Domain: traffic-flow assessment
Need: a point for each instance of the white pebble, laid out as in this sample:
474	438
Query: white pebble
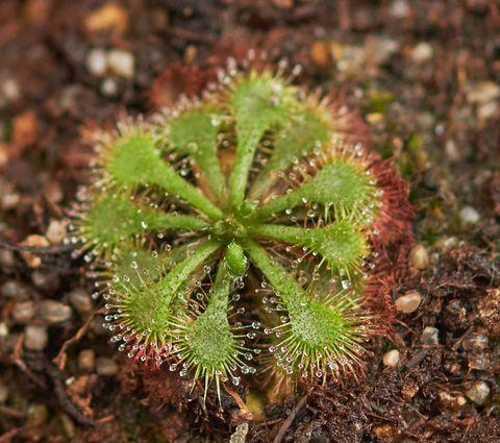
10	89
469	215
478	392
56	232
409	302
430	336
419	257
4	330
121	63
422	52
109	87
35	337
483	92
97	62
391	358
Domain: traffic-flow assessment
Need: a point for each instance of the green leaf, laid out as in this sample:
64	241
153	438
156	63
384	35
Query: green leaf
114	219
135	161
259	103
148	307
195	133
341	185
342	244
306	131
318	335
236	259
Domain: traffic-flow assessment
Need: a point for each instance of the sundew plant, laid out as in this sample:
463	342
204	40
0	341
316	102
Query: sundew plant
238	234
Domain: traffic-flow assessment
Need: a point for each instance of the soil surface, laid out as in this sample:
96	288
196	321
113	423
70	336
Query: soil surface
424	76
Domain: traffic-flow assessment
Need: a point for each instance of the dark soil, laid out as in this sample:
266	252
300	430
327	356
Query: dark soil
424	75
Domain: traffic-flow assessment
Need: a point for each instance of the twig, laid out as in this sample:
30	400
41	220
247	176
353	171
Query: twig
60	359
19	362
289	420
51	250
239	401
9	435
62	396
11	412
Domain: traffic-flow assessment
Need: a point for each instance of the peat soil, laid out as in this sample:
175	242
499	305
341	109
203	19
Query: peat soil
424	76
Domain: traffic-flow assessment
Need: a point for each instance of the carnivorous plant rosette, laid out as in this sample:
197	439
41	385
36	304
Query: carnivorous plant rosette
239	233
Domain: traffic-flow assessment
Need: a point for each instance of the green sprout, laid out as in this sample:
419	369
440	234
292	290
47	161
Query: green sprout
232	235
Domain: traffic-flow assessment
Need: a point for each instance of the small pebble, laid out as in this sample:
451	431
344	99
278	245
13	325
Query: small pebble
34	241
409	302
487	111
478	392
240	434
56	232
37	415
9	200
109	87
483	92
450	401
469	215
10	90
476	342
422	52
14	289
419	257
23	312
7	258
4	330
445	244
452	151
121	63
4	392
321	54
54	312
48	281
400	8
86	360
430	336
81	300
106	366
111	17
391	358
35	337
97	326
97	62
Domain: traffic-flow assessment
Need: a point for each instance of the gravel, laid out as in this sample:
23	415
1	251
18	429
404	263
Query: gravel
106	366
478	392
430	336
54	312
419	257
122	63
469	215
81	300
86	360
36	337
391	358
14	289
23	312
97	62
56	231
409	302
